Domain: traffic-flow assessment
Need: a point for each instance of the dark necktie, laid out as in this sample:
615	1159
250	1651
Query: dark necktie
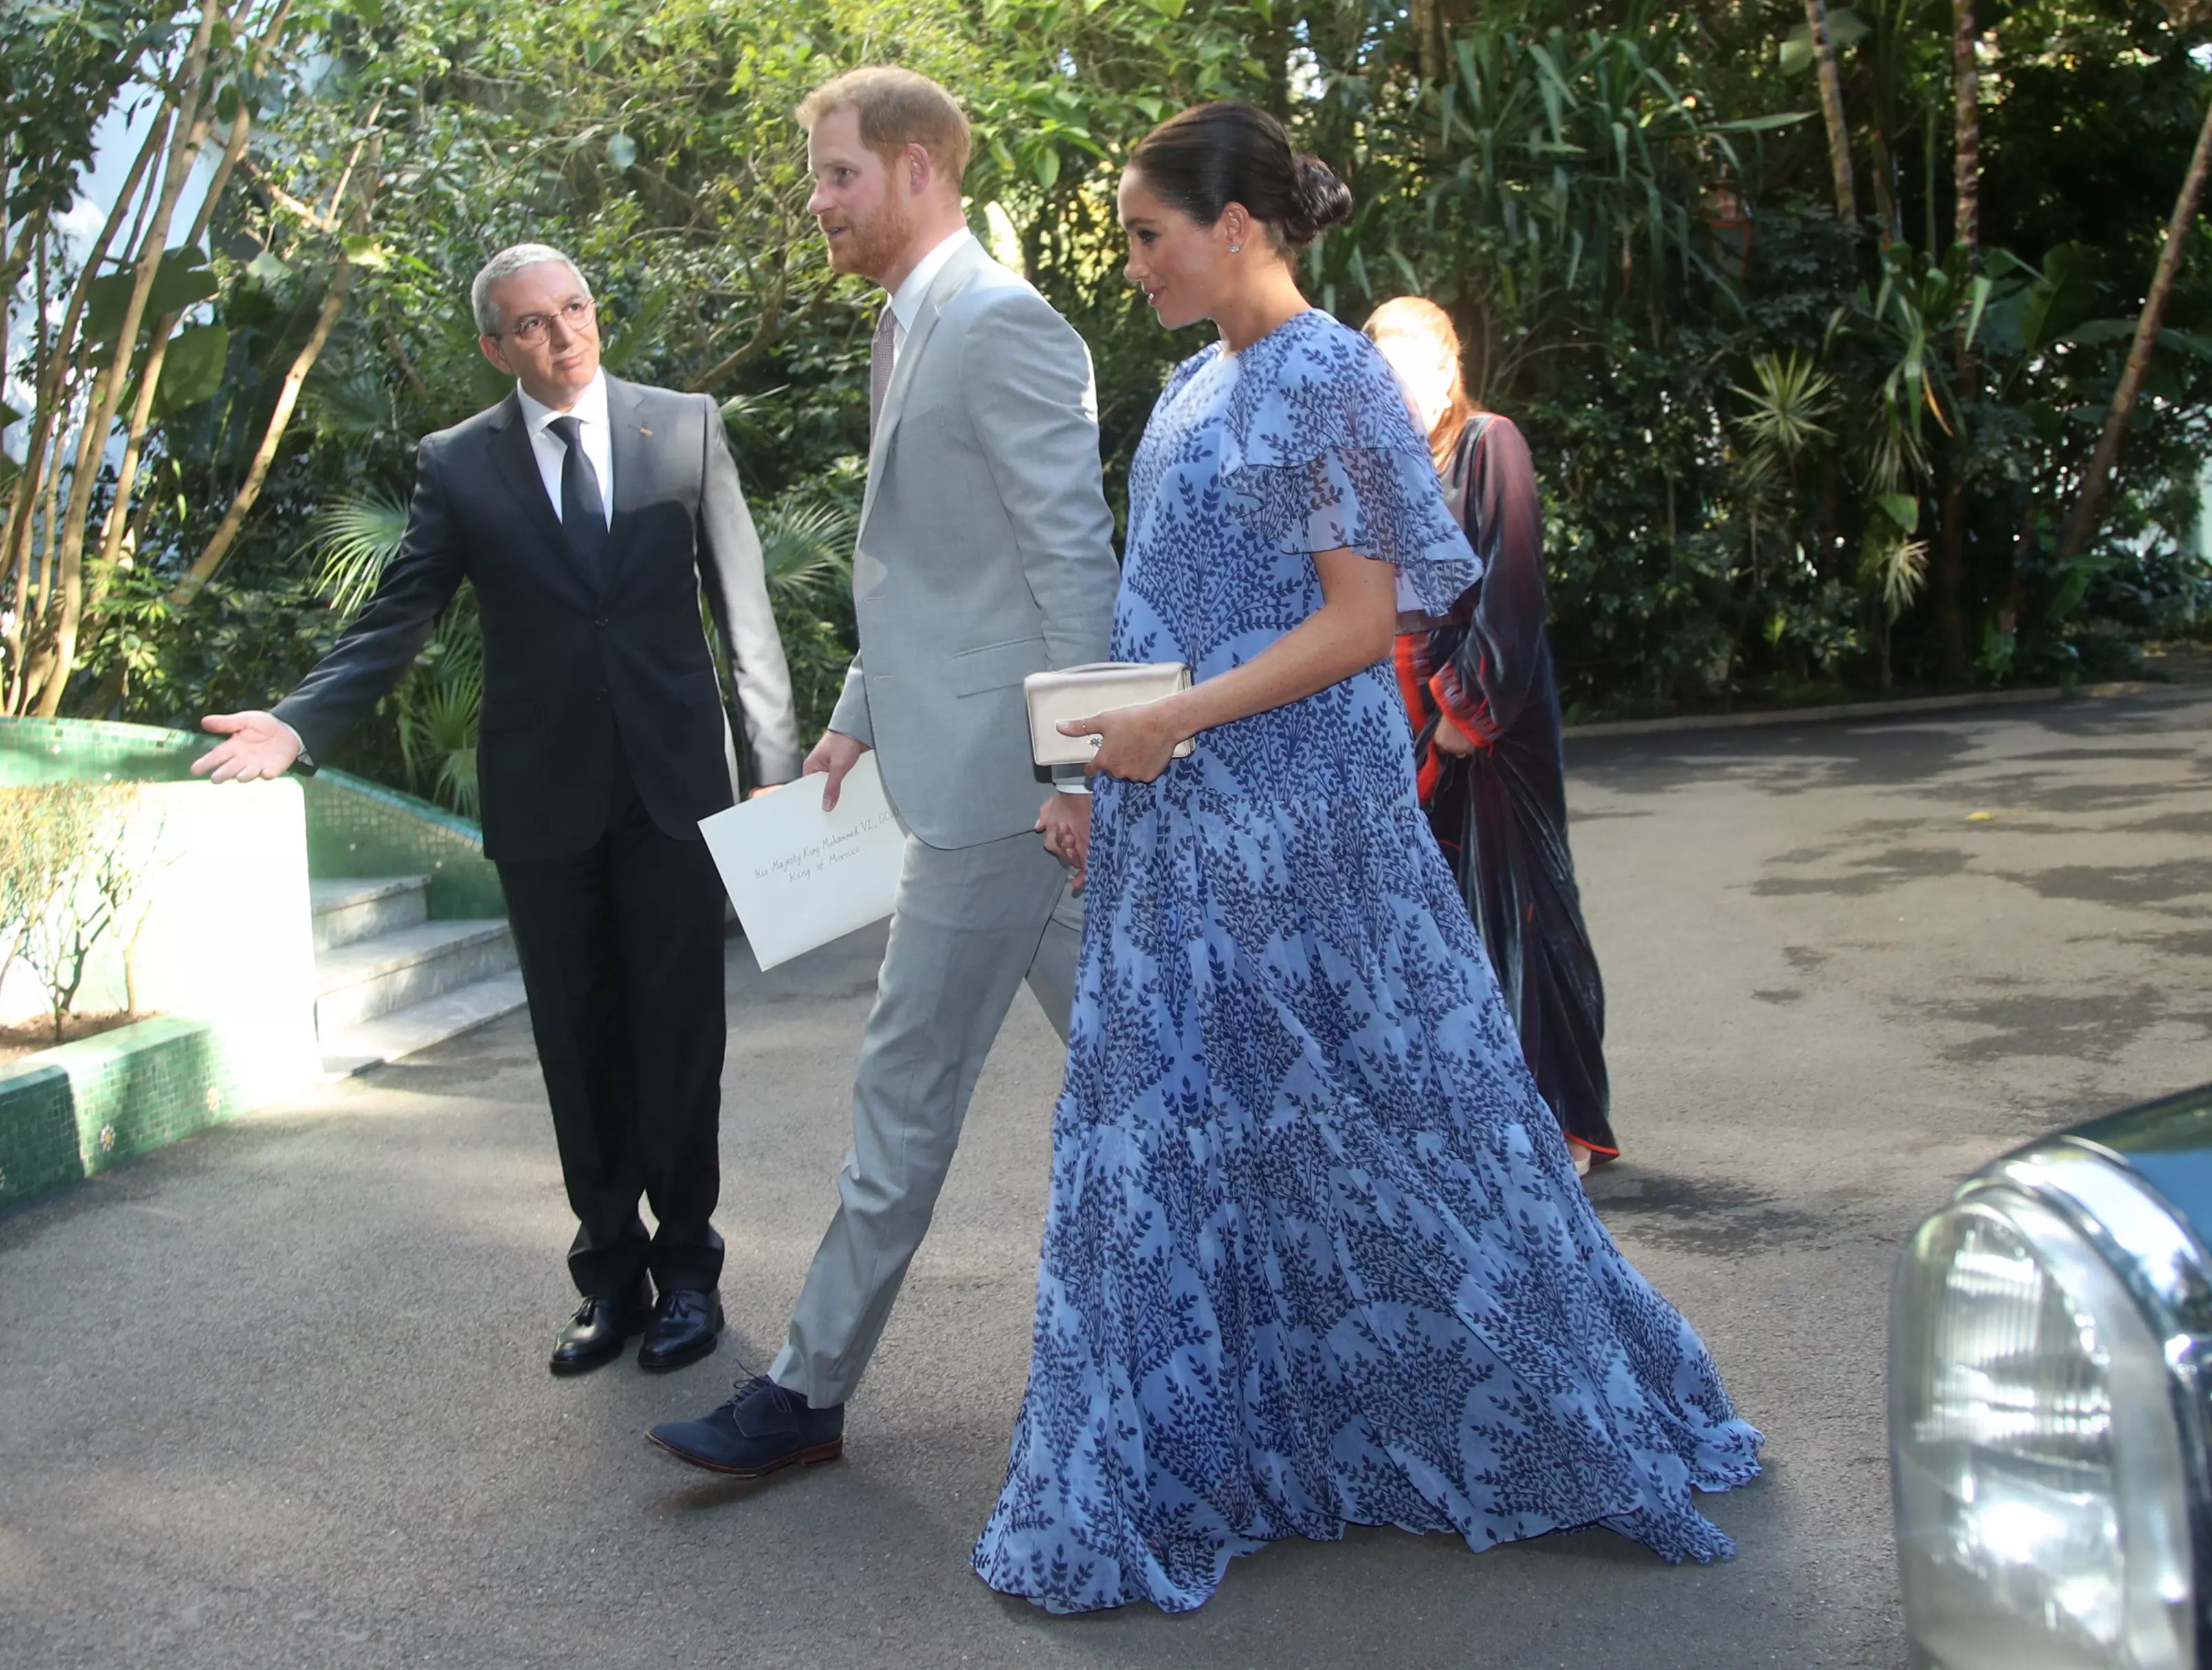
881	352
583	512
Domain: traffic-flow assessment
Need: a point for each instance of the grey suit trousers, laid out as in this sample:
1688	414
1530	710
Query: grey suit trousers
970	925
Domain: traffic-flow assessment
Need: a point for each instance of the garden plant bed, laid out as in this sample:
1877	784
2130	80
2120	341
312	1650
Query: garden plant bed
28	1038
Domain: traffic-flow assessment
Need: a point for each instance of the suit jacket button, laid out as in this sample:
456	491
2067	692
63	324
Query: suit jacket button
600	621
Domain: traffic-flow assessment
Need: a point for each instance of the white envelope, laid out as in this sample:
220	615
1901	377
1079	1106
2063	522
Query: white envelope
800	876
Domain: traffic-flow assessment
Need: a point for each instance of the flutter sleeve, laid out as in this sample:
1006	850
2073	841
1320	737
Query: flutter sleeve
1318	452
1485	684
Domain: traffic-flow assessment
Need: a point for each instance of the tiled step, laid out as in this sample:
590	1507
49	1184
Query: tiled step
401	1032
375	977
363	907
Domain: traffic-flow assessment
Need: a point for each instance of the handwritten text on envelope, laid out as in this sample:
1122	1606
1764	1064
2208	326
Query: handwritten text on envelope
800	876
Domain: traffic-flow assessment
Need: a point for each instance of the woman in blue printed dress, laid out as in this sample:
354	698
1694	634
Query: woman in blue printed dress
1317	1253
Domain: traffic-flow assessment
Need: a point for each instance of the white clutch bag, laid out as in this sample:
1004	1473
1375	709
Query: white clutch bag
1081	693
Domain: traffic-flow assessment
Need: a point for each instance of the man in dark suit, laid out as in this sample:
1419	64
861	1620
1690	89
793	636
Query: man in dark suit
602	741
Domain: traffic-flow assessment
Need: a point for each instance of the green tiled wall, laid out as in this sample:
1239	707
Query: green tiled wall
357	827
70	1112
87	750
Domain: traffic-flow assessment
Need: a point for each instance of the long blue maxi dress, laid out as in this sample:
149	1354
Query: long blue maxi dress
1315	1253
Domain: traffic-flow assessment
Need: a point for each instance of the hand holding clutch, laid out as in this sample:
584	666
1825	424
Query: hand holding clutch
1136	744
1073	693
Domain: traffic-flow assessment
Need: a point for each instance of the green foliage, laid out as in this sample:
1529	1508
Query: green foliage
1755	428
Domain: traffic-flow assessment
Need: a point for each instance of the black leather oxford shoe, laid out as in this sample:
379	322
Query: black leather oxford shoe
683	1330
762	1428
595	1333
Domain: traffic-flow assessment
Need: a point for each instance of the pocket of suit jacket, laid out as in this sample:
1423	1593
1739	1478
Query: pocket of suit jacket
996	666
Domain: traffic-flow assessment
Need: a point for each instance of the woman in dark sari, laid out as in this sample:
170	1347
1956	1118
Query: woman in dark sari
1484	705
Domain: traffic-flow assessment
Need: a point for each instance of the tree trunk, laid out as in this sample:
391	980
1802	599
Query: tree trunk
1433	24
2081	520
1966	233
1966	119
1832	106
1889	210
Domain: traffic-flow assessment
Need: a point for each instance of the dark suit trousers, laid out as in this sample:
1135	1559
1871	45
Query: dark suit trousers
622	958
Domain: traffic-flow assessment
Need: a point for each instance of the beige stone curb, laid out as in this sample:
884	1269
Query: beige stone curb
1905	707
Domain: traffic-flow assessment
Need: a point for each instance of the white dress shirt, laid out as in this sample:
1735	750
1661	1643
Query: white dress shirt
907	299
590	412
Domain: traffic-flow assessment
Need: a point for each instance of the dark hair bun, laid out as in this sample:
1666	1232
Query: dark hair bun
1318	201
1211	156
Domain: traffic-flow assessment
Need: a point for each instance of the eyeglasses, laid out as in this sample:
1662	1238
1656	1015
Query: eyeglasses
530	330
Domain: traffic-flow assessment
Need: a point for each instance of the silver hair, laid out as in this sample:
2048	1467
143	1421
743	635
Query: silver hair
505	264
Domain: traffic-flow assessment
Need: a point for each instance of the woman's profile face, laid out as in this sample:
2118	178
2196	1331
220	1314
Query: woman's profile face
1424	371
1178	262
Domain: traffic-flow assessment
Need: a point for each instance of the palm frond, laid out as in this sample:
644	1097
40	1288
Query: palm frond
806	548
1789	409
354	537
1894	570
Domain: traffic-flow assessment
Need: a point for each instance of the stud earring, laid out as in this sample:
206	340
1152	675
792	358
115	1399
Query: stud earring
1235	249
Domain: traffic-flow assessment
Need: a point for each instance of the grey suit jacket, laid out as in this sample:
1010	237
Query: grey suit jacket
985	553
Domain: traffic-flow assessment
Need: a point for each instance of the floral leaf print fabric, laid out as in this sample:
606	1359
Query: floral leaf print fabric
1315	1252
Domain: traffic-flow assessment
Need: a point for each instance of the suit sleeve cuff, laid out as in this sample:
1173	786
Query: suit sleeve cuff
306	760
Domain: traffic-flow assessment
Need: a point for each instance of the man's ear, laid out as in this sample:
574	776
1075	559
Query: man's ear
921	172
495	353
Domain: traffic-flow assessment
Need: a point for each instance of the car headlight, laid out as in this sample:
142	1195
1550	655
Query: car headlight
2042	1465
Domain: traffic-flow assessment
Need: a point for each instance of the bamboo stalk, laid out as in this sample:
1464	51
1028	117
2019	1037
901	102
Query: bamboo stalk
38	644
218	547
45	401
190	131
119	520
150	378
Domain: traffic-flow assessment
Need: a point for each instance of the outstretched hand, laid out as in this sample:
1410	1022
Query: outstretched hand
259	745
835	755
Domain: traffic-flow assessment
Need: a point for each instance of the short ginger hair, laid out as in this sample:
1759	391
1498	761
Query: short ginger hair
896	108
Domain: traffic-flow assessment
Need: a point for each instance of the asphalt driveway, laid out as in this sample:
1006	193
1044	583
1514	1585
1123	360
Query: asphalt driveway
277	1396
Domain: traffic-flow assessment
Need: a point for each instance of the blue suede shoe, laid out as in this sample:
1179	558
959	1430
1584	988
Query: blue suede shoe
762	1429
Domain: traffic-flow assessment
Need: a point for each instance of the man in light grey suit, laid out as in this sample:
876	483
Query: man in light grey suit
985	554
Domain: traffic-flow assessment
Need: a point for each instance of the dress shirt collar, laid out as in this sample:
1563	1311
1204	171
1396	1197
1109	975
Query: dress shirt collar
591	407
907	299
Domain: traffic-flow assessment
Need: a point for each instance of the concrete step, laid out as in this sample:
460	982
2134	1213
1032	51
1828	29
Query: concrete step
388	1037
375	977
361	907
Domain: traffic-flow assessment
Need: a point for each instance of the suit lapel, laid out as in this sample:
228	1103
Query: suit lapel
965	263
517	465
